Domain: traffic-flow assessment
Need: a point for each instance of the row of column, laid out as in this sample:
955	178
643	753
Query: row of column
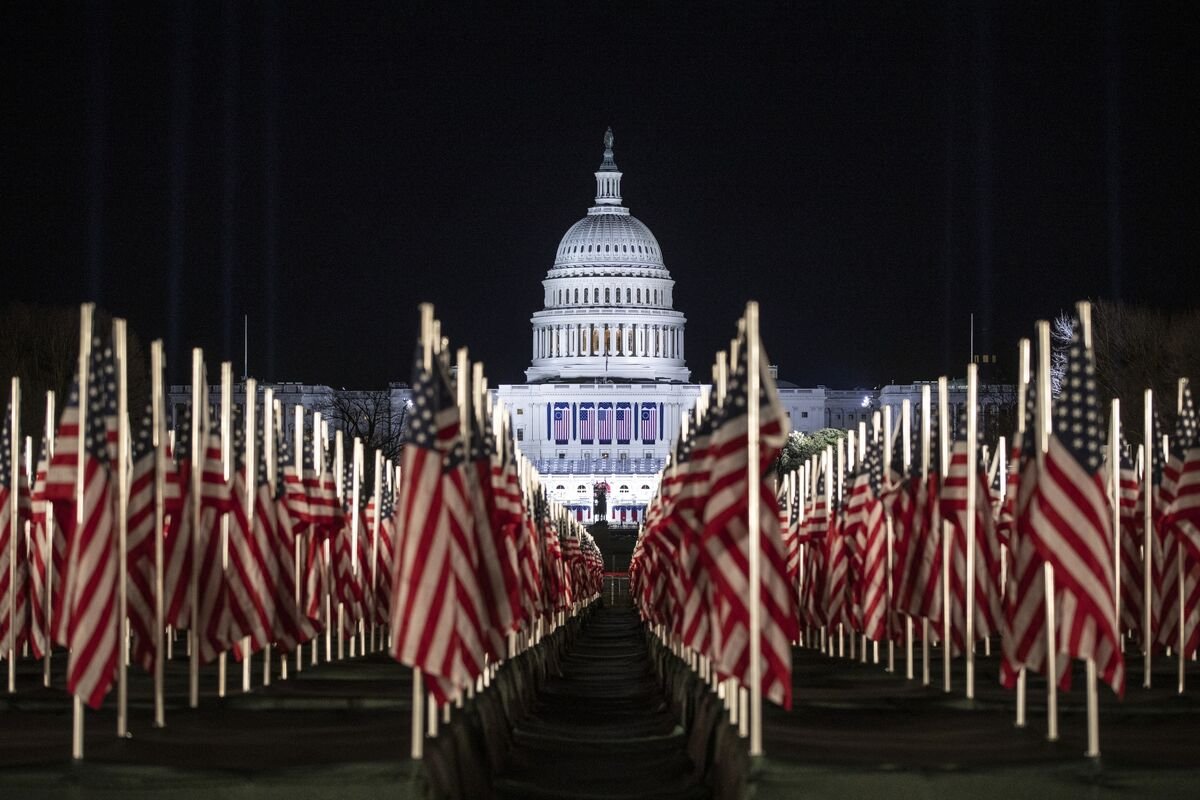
628	339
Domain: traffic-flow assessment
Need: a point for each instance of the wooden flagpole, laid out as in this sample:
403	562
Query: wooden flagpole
926	456
159	441
1043	440
753	512
268	426
297	556
199	434
1022	432
1148	532
85	356
944	424
14	515
833	511
122	364
327	548
972	501
251	473
48	593
227	473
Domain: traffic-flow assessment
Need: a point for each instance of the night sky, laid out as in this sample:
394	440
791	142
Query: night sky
872	173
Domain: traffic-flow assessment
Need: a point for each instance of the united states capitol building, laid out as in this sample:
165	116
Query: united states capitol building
608	381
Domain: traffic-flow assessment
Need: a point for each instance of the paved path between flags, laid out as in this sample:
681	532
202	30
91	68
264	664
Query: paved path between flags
603	728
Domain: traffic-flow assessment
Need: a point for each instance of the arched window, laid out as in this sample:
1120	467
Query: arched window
585	292
639	295
607	297
577	296
628	292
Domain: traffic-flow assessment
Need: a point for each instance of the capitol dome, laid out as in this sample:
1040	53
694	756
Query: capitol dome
605	238
608	311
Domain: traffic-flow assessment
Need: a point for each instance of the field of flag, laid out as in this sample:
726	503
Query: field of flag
253	539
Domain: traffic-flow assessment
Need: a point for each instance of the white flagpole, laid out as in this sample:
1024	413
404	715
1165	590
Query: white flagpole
1114	488
227	472
355	532
298	461
251	420
753	511
1148	532
339	479
890	531
269	457
377	494
1022	432
318	436
85	355
200	423
14	515
48	593
906	444
122	359
944	424
1043	434
926	457
1093	698
972	500
159	440
1179	561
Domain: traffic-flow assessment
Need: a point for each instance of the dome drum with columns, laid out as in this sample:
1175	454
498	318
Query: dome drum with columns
608	299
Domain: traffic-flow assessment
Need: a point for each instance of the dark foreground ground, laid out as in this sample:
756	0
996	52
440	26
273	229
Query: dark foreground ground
608	723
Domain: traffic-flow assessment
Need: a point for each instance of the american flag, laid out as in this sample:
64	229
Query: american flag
918	531
216	500
425	631
1070	522
291	627
986	580
725	538
865	524
587	423
177	544
497	561
140	539
604	423
47	553
14	573
1023	638
695	586
624	423
562	423
649	416
87	620
348	584
812	535
1176	557
1131	538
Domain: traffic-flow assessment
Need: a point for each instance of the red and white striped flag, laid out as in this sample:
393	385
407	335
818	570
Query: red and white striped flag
1070	523
865	524
14	587
86	619
725	538
47	554
986	581
426	596
139	543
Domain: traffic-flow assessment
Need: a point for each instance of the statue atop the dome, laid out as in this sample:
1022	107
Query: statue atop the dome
608	138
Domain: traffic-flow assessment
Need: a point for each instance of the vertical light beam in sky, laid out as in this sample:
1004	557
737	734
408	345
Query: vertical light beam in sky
229	182
96	15
181	45
983	184
1112	142
271	91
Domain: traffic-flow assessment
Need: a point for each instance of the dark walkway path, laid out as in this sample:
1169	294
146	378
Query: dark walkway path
602	728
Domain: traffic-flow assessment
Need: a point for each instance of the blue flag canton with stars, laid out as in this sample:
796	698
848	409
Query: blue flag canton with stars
6	463
873	466
183	436
1029	439
143	445
1077	422
1187	427
102	404
1126	453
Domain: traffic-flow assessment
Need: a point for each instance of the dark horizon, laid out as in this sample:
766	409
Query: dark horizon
871	174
